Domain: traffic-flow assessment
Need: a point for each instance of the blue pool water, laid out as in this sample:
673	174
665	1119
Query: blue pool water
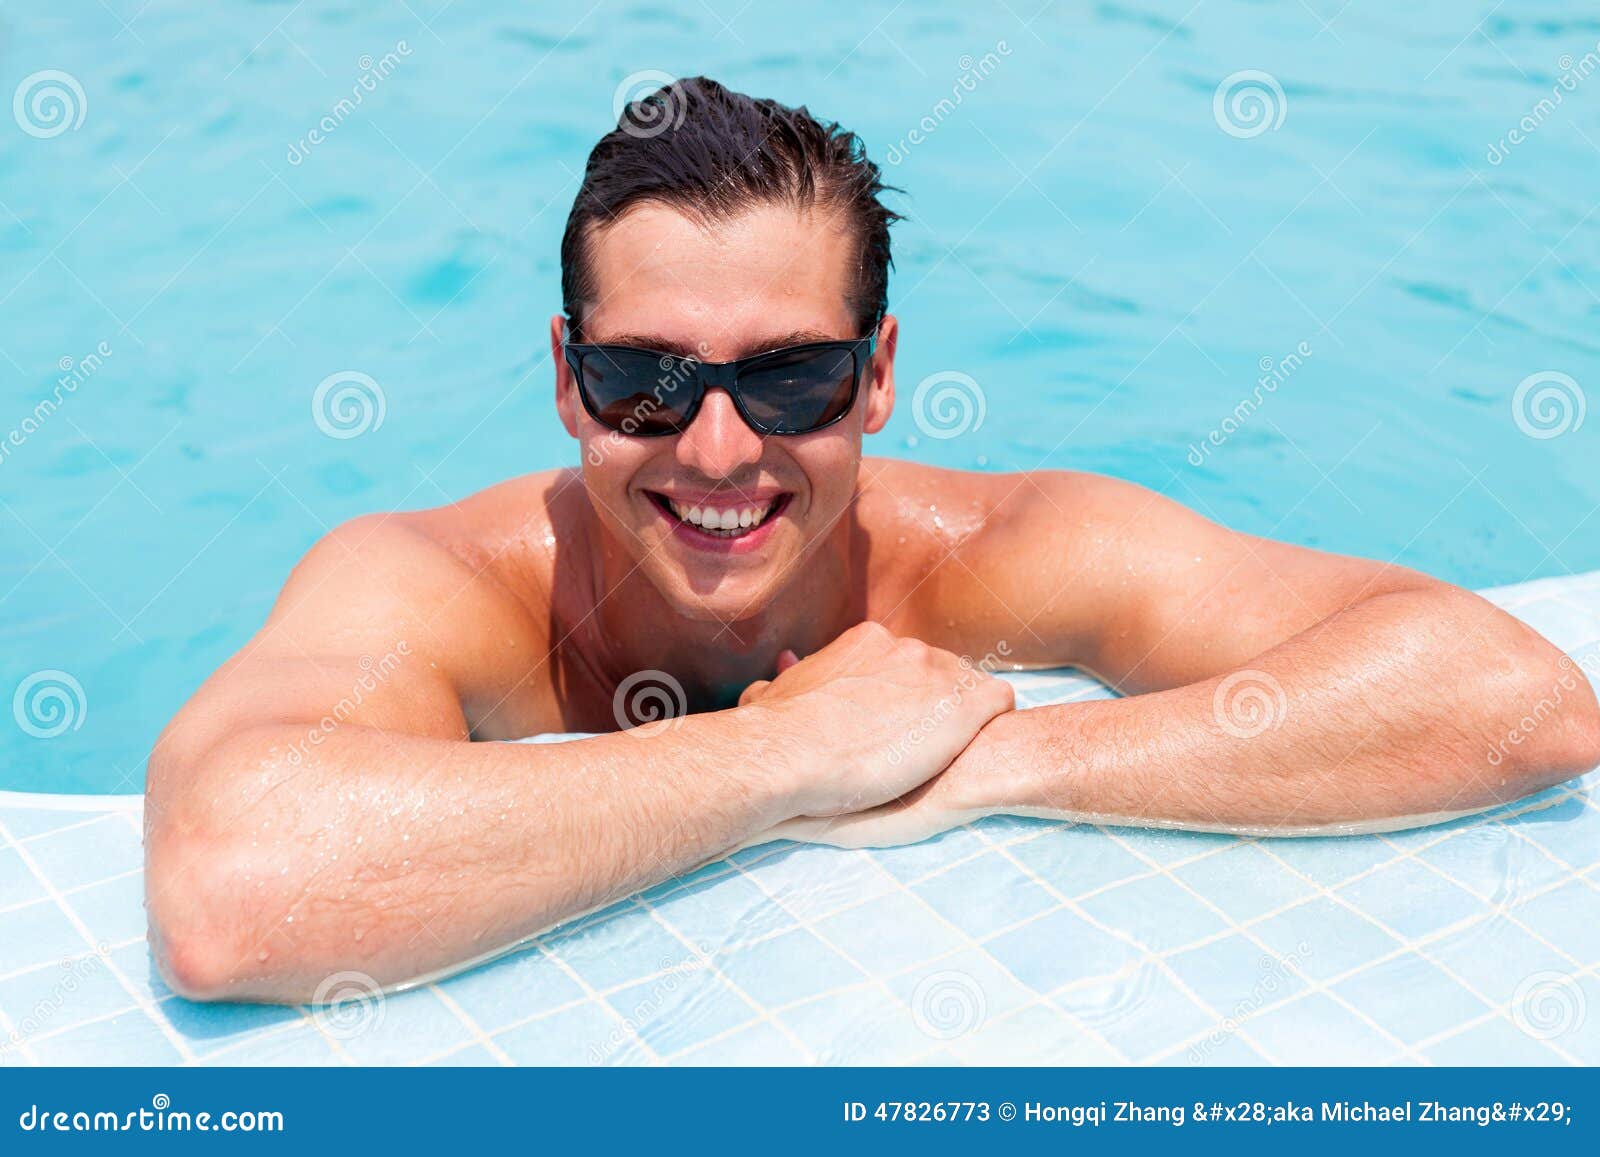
1085	241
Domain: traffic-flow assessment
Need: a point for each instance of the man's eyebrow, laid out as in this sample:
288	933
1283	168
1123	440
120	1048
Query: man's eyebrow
688	350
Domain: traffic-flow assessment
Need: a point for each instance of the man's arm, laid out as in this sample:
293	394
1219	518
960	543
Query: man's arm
317	806
1270	687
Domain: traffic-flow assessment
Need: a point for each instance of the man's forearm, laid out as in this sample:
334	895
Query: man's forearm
1399	706
401	856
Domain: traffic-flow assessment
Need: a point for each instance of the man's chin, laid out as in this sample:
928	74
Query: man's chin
731	599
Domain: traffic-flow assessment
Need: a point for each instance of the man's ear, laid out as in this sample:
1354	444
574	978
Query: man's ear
880	395
566	387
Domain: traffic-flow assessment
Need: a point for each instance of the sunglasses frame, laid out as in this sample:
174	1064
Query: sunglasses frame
708	376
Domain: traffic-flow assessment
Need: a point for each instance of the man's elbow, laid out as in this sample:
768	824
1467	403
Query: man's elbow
198	927
1550	731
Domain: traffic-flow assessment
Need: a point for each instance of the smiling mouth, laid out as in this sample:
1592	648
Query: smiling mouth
721	521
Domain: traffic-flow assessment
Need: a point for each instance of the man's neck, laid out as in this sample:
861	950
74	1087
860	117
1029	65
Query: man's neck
714	659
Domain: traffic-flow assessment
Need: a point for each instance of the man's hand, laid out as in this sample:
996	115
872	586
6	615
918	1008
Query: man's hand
882	715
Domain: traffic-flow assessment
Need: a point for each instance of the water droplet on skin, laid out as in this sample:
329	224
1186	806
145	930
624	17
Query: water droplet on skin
289	919
359	934
262	956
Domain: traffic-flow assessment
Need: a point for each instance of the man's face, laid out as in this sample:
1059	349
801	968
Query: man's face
768	278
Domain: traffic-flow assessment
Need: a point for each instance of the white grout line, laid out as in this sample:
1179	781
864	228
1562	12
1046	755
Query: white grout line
166	1028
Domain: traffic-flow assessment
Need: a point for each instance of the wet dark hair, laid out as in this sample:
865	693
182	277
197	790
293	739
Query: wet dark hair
709	152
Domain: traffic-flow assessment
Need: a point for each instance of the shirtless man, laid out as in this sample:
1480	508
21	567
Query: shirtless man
320	804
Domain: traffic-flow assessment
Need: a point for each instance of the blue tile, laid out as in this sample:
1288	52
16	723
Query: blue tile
400	1028
131	1038
136	963
860	1027
1331	860
1494	958
913	861
1236	977
37	934
759	1044
1569	831
18	884
810	882
1077	860
471	1057
113	911
1221	1048
86	855
511	989
585	1034
889	933
298	1044
681	1009
1495	1043
1059	948
1565	1016
1411	899
1040	1034
1568	917
209	1028
722	910
951	990
1491	861
1167	846
984	895
1315	1030
788	967
62	994
24	823
1323	938
1411	998
619	949
1244	881
1141	1013
1155	912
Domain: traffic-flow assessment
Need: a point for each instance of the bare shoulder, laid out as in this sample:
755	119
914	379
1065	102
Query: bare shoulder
983	559
467	584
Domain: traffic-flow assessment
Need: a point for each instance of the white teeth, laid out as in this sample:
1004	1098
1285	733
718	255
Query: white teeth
728	521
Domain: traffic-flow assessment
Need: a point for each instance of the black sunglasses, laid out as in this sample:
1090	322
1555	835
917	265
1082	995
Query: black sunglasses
646	394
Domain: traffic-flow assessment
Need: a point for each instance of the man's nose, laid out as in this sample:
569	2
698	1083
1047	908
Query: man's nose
717	443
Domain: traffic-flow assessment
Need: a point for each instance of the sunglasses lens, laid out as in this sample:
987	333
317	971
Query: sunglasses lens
637	392
795	393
